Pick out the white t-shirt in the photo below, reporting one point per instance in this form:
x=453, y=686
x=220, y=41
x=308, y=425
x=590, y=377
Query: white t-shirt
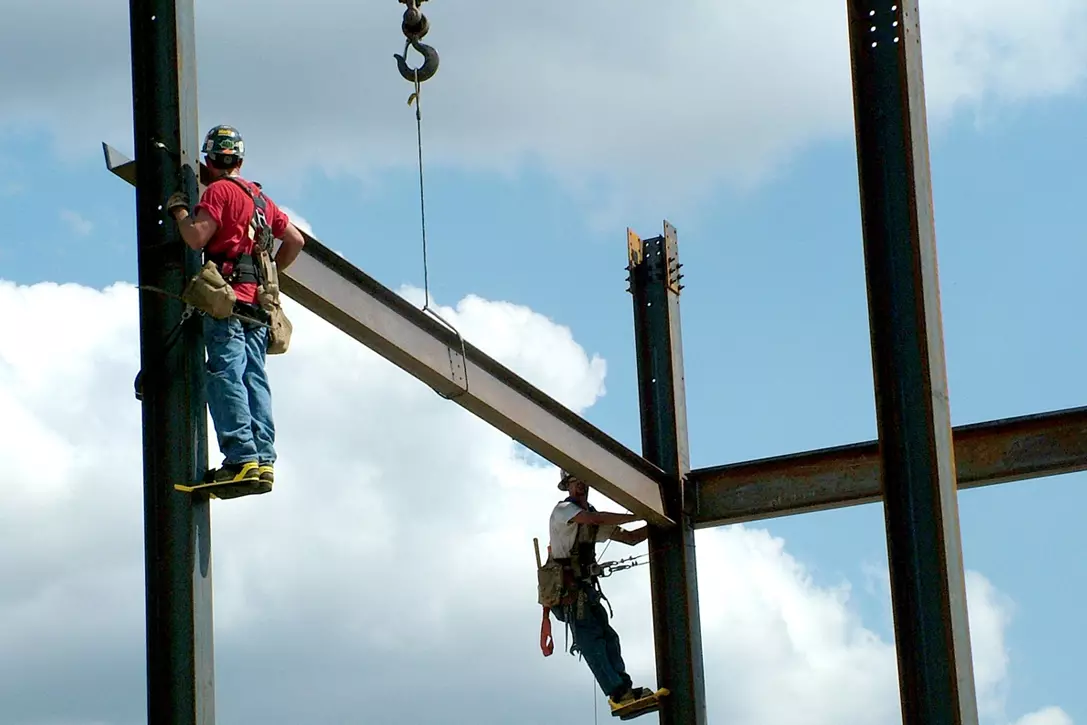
x=563, y=531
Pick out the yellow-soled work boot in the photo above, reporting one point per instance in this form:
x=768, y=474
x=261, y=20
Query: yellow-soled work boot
x=229, y=481
x=267, y=477
x=637, y=701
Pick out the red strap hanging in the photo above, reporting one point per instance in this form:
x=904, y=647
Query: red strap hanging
x=547, y=644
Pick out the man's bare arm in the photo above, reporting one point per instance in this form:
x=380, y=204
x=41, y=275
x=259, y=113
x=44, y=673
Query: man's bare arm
x=630, y=538
x=603, y=518
x=195, y=231
x=293, y=241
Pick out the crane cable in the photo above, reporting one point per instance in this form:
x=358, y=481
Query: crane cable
x=414, y=27
x=415, y=98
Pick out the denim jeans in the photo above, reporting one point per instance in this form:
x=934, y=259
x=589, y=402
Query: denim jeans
x=597, y=642
x=239, y=397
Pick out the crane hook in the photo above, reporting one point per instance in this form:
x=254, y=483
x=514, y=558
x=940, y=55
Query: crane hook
x=423, y=72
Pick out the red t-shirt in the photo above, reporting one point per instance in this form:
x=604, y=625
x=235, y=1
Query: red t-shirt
x=232, y=209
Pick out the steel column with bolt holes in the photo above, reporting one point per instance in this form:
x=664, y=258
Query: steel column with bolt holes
x=180, y=670
x=928, y=590
x=654, y=283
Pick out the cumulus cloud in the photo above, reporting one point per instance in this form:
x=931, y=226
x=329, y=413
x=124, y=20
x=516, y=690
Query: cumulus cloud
x=389, y=577
x=1046, y=716
x=652, y=98
x=299, y=221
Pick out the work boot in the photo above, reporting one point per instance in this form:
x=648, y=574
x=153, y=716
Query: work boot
x=267, y=477
x=625, y=704
x=619, y=700
x=233, y=480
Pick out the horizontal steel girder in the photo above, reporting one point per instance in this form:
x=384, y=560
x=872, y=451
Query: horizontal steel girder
x=997, y=451
x=338, y=292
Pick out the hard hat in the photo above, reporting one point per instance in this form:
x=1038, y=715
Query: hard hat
x=224, y=142
x=564, y=481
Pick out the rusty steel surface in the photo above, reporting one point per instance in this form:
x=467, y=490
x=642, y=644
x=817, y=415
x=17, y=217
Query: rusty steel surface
x=988, y=453
x=344, y=296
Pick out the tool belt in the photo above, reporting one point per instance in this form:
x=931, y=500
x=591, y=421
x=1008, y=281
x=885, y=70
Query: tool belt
x=560, y=584
x=280, y=328
x=213, y=293
x=556, y=584
x=210, y=293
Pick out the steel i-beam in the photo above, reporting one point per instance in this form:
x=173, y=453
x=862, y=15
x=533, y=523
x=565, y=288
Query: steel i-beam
x=988, y=453
x=654, y=283
x=343, y=295
x=180, y=671
x=928, y=590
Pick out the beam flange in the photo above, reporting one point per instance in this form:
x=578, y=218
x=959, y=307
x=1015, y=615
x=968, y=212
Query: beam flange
x=344, y=296
x=988, y=453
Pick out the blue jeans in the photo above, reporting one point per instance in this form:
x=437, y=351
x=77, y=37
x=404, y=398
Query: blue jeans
x=597, y=642
x=239, y=397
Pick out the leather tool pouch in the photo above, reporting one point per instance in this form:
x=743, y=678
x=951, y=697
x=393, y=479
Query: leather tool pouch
x=279, y=338
x=208, y=292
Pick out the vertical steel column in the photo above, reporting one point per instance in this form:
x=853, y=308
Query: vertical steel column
x=928, y=590
x=180, y=673
x=654, y=283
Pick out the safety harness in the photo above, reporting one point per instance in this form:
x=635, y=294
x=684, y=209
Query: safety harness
x=580, y=575
x=244, y=267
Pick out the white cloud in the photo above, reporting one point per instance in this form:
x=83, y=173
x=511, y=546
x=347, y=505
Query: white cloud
x=656, y=98
x=1046, y=716
x=391, y=571
x=299, y=221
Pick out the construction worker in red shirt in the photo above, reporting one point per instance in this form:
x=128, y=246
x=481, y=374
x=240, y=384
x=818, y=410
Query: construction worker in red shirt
x=238, y=392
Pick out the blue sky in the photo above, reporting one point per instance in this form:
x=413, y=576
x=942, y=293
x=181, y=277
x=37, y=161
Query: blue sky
x=774, y=317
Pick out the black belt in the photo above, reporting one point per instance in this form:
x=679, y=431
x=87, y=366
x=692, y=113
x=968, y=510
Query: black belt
x=244, y=269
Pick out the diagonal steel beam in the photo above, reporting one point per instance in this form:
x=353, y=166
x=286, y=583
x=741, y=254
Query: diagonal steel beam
x=338, y=292
x=996, y=451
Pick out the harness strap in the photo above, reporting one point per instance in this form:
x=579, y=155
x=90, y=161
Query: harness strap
x=244, y=266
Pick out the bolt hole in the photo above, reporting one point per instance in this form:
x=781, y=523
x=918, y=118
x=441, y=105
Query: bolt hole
x=894, y=24
x=154, y=17
x=871, y=12
x=893, y=8
x=872, y=29
x=873, y=44
x=896, y=38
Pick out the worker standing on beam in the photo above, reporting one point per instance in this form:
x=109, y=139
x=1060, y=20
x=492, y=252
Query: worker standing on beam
x=575, y=529
x=234, y=224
